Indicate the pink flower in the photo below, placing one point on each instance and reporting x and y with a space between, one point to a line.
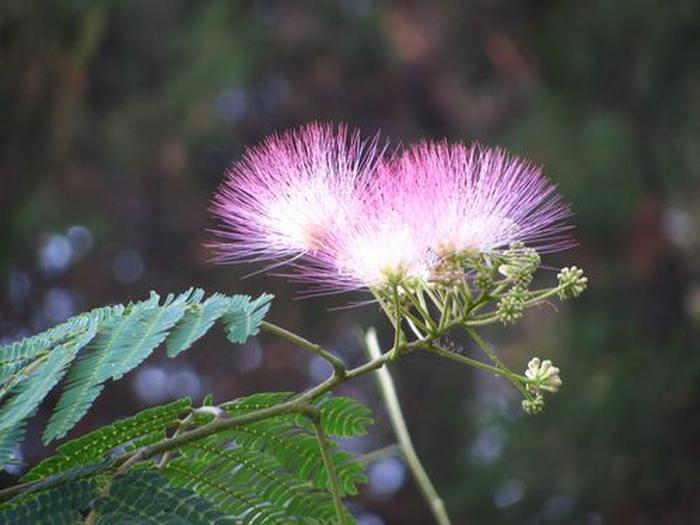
382 244
478 199
330 204
285 196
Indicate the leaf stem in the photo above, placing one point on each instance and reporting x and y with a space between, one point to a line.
330 470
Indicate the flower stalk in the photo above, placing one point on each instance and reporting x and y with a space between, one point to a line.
398 423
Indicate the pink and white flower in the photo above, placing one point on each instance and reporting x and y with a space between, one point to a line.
482 199
347 218
285 196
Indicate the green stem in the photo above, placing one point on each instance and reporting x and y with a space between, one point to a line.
514 378
437 302
545 294
330 469
337 363
380 453
490 317
438 350
482 321
182 426
399 424
426 323
397 325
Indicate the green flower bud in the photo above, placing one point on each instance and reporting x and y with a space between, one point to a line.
533 406
484 272
484 278
520 263
572 283
510 308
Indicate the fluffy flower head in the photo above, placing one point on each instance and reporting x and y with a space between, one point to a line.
285 196
378 248
481 199
346 218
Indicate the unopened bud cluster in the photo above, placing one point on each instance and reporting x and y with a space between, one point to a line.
457 281
572 282
511 307
543 375
478 288
534 405
520 264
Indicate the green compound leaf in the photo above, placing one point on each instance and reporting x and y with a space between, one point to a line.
24 350
59 505
151 424
143 496
102 345
289 440
198 319
122 344
36 384
272 471
344 417
250 485
243 316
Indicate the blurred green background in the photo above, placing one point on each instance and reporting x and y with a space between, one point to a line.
117 119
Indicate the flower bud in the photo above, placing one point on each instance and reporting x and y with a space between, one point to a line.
510 308
543 375
572 282
533 406
520 263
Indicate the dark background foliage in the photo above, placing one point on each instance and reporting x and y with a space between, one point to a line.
117 120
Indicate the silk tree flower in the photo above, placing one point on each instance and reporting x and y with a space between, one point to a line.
346 218
482 199
285 196
380 246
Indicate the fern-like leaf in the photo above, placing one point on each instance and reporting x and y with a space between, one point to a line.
144 496
272 471
55 506
17 355
157 322
298 451
41 380
244 504
30 347
343 416
10 438
116 340
149 425
198 319
28 394
122 345
243 316
248 482
290 439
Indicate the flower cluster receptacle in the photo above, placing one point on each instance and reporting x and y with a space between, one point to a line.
443 236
